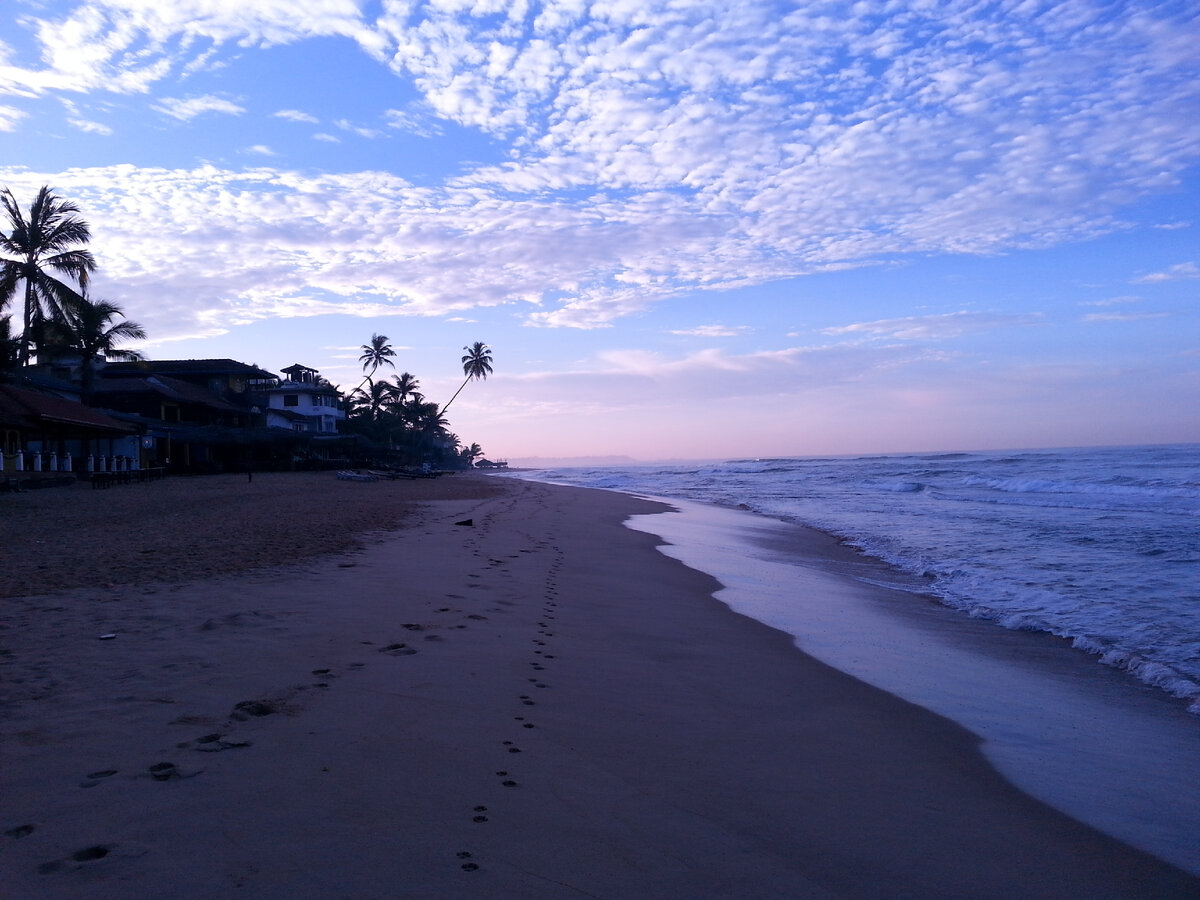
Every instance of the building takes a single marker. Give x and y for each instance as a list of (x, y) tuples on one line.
[(305, 402)]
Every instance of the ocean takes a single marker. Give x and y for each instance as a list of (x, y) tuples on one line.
[(1066, 627)]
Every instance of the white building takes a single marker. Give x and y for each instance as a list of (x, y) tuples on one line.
[(304, 402)]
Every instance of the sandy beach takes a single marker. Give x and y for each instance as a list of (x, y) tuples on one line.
[(304, 688)]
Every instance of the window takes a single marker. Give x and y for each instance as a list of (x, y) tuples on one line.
[(291, 399)]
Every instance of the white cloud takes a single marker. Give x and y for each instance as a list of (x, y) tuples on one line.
[(327, 138), (1122, 317), (931, 328), (1187, 270), (126, 46), (658, 148), (412, 121), (9, 117), (361, 131), (295, 115), (260, 150), (191, 107), (714, 331), (90, 127)]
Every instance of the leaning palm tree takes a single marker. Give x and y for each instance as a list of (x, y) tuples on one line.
[(30, 248), (94, 334), (477, 363), (376, 354)]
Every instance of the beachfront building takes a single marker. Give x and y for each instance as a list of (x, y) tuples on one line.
[(304, 402), (197, 415), (43, 434)]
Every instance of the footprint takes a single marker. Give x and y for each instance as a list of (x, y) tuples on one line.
[(214, 743), (253, 708), (398, 650), (87, 854)]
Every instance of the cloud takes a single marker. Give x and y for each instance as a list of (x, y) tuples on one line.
[(413, 121), (1187, 270), (90, 127), (347, 125), (295, 115), (127, 46), (1122, 317), (187, 109), (656, 149), (1113, 301), (260, 150), (714, 331), (9, 117), (931, 328)]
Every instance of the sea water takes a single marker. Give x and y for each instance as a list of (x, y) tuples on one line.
[(1098, 547)]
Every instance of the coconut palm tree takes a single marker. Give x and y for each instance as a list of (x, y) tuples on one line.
[(405, 386), (30, 248), (477, 363), (470, 454), (91, 332), (371, 403), (375, 354), (8, 348)]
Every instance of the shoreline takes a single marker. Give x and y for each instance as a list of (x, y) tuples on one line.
[(1089, 740), (658, 744)]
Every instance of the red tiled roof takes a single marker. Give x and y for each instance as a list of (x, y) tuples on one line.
[(31, 410)]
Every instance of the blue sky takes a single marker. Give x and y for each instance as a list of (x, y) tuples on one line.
[(686, 229)]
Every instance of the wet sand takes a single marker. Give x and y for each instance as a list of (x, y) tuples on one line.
[(536, 704)]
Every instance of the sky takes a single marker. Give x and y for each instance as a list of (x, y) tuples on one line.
[(685, 229)]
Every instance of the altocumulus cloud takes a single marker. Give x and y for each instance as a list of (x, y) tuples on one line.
[(650, 149)]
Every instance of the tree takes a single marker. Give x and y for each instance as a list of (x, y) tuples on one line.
[(477, 363), (470, 454), (376, 354), (93, 333), (35, 245), (8, 348), (371, 403), (406, 386)]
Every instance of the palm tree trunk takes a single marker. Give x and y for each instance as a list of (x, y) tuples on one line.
[(456, 393), (23, 358)]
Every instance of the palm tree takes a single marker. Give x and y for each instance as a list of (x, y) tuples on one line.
[(33, 246), (376, 354), (371, 403), (406, 386), (470, 454), (477, 363), (8, 348), (93, 333)]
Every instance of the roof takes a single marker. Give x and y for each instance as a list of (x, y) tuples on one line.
[(185, 367), (31, 410), (170, 388)]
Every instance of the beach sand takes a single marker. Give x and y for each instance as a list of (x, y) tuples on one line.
[(323, 689)]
